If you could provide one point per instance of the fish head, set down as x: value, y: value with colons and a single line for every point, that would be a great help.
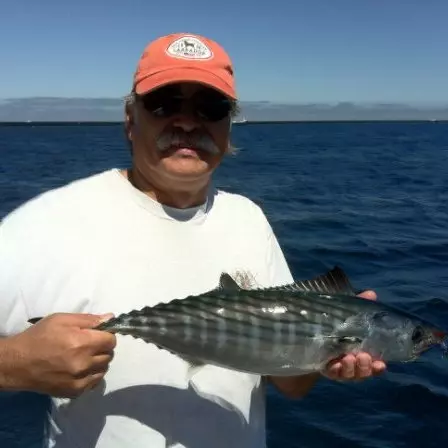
x: 424, y: 337
x: 397, y: 337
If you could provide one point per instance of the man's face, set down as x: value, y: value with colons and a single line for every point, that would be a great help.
x: 180, y: 132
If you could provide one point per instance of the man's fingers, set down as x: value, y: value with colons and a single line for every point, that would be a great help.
x: 378, y: 367
x: 368, y: 294
x: 101, y: 342
x: 105, y: 317
x: 100, y: 363
x: 333, y: 370
x: 354, y: 367
x: 92, y: 320
x: 81, y: 320
x: 363, y: 365
x: 348, y: 366
x: 91, y: 382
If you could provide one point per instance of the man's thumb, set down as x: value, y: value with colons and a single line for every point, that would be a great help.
x: 105, y: 317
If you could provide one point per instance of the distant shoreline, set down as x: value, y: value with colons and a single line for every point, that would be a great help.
x: 247, y: 123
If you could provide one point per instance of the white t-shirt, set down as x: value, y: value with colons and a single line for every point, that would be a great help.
x: 99, y: 245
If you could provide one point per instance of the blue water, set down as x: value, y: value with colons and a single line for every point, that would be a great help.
x: 370, y: 197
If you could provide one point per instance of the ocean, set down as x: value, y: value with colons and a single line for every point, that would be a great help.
x: 369, y: 197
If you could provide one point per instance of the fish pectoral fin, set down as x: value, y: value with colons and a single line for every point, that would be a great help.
x: 334, y: 281
x: 343, y: 342
x: 227, y: 282
x: 338, y: 346
x: 349, y: 339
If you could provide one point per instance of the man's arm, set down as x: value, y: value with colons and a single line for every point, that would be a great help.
x: 8, y: 381
x: 295, y: 386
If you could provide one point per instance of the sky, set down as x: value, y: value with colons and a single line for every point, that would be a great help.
x: 283, y: 51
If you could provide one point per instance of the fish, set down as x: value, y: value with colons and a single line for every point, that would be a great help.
x: 287, y: 330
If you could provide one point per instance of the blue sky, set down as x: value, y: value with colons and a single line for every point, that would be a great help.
x: 283, y: 50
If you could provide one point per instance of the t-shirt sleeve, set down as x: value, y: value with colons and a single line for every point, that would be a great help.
x: 13, y: 315
x: 276, y: 269
x: 279, y: 271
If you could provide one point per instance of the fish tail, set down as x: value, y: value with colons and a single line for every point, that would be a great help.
x: 138, y: 323
x: 112, y: 325
x: 34, y: 320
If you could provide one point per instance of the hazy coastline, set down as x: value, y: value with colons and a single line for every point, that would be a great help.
x: 110, y: 111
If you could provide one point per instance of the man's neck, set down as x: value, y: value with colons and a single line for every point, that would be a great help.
x: 181, y: 199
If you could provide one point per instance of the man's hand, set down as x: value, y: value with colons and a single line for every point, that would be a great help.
x: 355, y: 367
x: 61, y: 356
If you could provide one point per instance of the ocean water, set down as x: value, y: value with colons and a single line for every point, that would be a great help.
x: 369, y: 197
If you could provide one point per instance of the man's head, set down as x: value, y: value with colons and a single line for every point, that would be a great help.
x: 178, y: 116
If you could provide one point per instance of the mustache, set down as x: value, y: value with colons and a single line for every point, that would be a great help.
x: 188, y: 140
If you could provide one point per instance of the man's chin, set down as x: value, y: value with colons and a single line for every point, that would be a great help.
x: 186, y: 166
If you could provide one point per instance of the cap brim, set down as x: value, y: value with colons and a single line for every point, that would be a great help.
x: 176, y: 75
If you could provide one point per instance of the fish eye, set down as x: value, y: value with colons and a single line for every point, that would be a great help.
x: 417, y: 335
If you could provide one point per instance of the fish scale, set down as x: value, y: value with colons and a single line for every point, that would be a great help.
x: 288, y: 330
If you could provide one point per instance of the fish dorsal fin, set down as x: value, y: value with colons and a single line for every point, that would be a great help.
x: 227, y: 282
x: 334, y: 281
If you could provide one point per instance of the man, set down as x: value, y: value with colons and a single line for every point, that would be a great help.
x: 125, y: 239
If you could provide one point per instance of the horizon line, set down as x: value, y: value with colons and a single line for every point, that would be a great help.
x: 442, y: 103
x: 248, y: 122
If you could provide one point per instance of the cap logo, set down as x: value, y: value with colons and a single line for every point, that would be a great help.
x: 189, y: 47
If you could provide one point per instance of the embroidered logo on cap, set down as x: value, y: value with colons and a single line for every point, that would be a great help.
x: 189, y: 47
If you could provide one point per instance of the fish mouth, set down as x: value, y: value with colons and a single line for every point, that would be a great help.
x: 440, y: 338
x: 444, y: 345
x: 434, y: 339
x: 440, y: 335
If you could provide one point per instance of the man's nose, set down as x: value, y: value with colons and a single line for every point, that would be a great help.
x: 186, y: 121
x: 187, y: 118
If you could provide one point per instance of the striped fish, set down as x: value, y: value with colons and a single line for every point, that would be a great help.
x: 283, y: 331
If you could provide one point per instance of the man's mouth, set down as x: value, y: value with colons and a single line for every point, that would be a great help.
x: 186, y: 150
x: 191, y: 146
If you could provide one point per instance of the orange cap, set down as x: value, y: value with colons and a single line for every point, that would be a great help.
x: 184, y: 58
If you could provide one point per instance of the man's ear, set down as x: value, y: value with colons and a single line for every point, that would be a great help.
x: 128, y: 122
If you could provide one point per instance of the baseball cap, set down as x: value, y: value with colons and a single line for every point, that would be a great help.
x: 184, y: 57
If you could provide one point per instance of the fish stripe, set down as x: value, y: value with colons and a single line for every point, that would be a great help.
x: 243, y: 331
